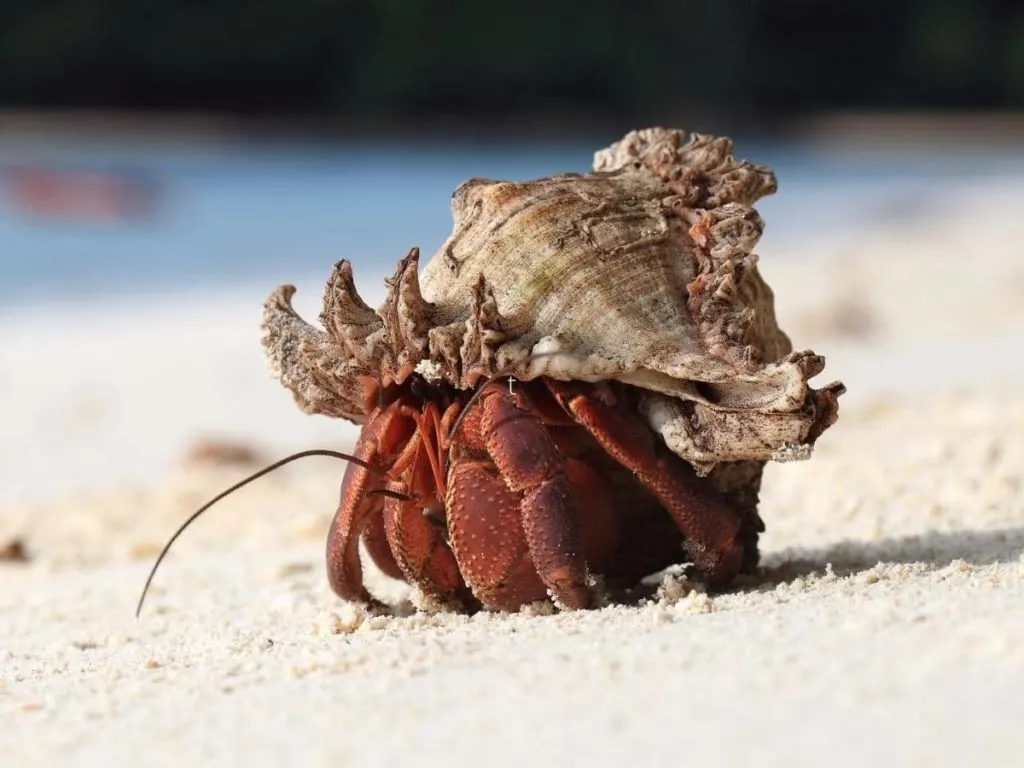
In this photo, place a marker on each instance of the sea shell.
(641, 271)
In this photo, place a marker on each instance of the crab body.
(517, 505)
(649, 374)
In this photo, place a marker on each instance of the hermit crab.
(586, 379)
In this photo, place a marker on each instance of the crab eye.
(419, 386)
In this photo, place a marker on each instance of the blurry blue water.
(278, 212)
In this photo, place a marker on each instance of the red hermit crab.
(586, 379)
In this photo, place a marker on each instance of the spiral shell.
(642, 271)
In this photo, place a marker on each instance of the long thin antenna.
(255, 476)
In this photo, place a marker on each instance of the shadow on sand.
(846, 558)
(936, 549)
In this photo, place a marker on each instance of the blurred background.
(165, 144)
(165, 163)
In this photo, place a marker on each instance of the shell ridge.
(308, 361)
(482, 337)
(405, 319)
(702, 163)
(345, 315)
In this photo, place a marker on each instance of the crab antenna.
(255, 476)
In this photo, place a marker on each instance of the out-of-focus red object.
(92, 196)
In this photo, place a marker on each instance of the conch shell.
(642, 271)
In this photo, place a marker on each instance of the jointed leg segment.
(707, 521)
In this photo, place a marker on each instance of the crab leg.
(375, 540)
(530, 464)
(705, 519)
(385, 431)
(417, 546)
(420, 550)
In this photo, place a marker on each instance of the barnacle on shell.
(641, 271)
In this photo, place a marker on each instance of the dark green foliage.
(414, 57)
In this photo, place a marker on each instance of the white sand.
(888, 624)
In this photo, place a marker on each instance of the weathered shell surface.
(641, 271)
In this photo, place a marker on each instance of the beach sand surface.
(886, 626)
